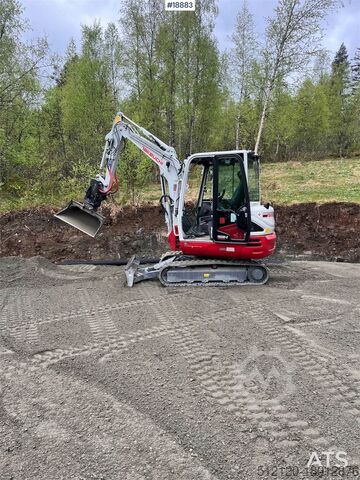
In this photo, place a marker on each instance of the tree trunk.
(172, 99)
(262, 121)
(277, 147)
(237, 133)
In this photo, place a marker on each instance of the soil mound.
(329, 231)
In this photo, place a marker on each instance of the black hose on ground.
(106, 262)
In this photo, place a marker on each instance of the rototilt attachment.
(82, 217)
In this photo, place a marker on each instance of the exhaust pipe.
(81, 217)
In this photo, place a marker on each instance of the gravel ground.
(99, 381)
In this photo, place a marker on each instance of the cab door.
(231, 203)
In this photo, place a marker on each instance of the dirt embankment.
(126, 231)
(329, 231)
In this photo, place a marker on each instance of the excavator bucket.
(81, 217)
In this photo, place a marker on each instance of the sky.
(60, 20)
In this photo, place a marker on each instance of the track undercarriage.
(177, 270)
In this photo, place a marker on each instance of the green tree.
(311, 119)
(141, 23)
(341, 70)
(198, 79)
(279, 134)
(87, 102)
(169, 56)
(20, 90)
(340, 102)
(113, 49)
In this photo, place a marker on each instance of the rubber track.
(210, 263)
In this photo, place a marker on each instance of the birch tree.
(355, 69)
(198, 74)
(140, 23)
(169, 53)
(113, 52)
(293, 36)
(242, 56)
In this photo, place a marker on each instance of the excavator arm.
(84, 215)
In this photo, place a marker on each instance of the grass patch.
(331, 180)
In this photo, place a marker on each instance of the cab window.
(231, 193)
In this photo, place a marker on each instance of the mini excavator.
(218, 239)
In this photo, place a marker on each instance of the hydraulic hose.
(106, 262)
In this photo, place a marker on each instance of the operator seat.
(200, 225)
(238, 197)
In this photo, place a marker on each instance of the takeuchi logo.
(152, 156)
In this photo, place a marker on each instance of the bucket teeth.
(81, 217)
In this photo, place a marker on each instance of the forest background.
(165, 71)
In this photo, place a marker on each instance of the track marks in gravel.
(101, 436)
(219, 381)
(49, 357)
(342, 387)
(107, 338)
(101, 325)
(17, 322)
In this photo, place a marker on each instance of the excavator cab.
(222, 205)
(231, 219)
